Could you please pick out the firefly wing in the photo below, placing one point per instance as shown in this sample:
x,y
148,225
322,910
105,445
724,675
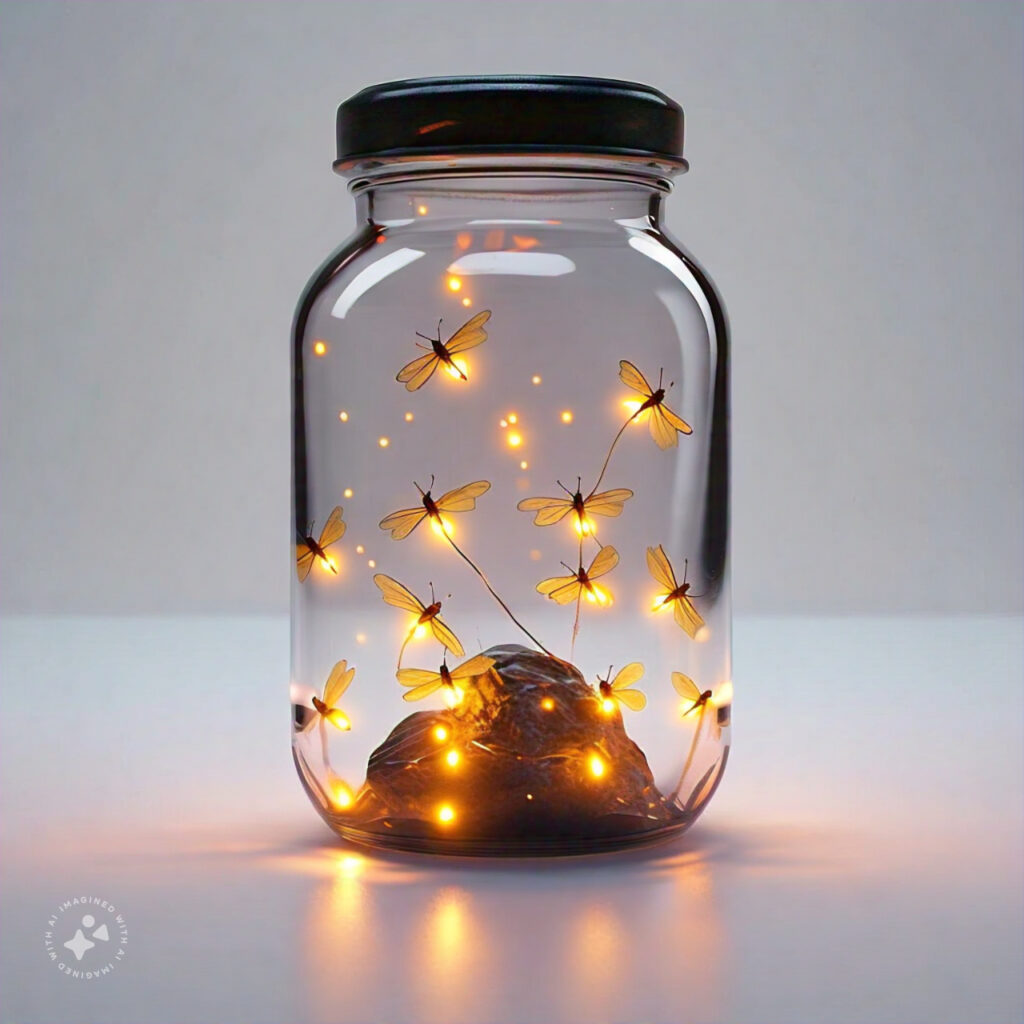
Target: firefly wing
x,y
415,374
627,676
338,682
633,699
685,686
463,499
417,677
445,636
403,522
604,561
334,528
561,589
675,421
474,667
469,335
608,503
633,378
664,435
686,616
395,594
424,690
661,568
304,556
549,510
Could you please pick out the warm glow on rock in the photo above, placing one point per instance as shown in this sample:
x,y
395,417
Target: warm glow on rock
x,y
547,704
440,733
607,705
446,814
597,766
452,758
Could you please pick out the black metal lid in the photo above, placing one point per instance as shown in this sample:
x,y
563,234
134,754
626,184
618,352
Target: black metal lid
x,y
514,114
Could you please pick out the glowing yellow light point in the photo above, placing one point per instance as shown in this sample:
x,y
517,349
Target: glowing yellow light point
x,y
535,555
503,424
515,440
419,632
597,766
442,527
452,696
547,704
513,418
339,719
459,370
467,301
348,492
454,284
343,416
440,733
524,464
360,550
529,796
567,416
536,379
319,348
632,405
360,638
341,795
409,417
350,865
383,441
702,635
372,564
452,757
328,564
446,814
422,210
607,705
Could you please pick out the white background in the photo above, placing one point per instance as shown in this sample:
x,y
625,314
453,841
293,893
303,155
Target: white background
x,y
856,194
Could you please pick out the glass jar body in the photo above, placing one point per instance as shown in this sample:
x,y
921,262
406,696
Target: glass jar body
x,y
531,676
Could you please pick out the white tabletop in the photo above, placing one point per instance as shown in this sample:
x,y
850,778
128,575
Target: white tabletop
x,y
860,862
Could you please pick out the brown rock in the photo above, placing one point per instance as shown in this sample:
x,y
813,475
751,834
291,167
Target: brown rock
x,y
537,761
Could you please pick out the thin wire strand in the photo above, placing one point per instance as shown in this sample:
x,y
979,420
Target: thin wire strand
x,y
608,457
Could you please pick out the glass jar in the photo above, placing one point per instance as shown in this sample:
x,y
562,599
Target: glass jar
x,y
510,602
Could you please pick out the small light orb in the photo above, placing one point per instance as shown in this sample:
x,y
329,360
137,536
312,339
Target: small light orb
x,y
515,440
503,423
524,464
536,379
567,416
372,564
513,418
360,638
597,766
383,441
529,796
319,348
409,417
343,416
446,814
348,492
422,209
360,550
607,705
440,733
452,757
454,284
547,704
452,696
467,302
341,795
419,632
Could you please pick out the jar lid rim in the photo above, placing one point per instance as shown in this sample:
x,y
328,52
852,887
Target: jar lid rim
x,y
518,114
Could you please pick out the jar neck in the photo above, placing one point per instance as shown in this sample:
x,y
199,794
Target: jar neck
x,y
434,201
